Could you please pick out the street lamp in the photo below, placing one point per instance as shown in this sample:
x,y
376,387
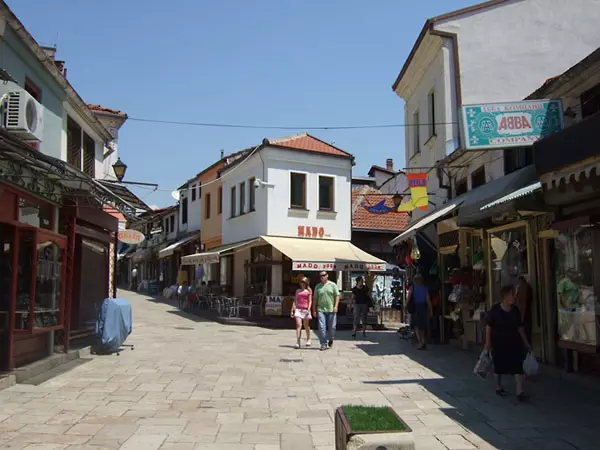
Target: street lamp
x,y
120,168
397,198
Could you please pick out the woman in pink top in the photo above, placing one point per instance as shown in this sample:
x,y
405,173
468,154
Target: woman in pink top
x,y
301,310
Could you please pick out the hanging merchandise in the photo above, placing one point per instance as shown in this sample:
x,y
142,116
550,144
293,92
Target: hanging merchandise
x,y
433,270
415,253
417,183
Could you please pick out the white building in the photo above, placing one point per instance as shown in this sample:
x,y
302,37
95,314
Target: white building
x,y
497,51
286,210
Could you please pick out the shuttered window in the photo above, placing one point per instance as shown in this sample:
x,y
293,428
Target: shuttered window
x,y
89,156
73,143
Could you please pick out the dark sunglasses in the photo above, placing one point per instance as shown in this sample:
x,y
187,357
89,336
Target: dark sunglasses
x,y
323,275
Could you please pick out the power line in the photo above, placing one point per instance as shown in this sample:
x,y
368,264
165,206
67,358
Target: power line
x,y
286,127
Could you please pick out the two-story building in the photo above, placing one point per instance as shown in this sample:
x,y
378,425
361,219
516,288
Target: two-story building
x,y
286,211
53,147
496,51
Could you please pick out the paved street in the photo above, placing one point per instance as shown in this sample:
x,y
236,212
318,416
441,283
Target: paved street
x,y
193,384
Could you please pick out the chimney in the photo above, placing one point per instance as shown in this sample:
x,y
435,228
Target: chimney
x,y
222,154
60,65
389,164
50,52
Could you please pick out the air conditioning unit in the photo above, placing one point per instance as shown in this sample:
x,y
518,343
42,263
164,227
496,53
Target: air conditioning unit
x,y
22,114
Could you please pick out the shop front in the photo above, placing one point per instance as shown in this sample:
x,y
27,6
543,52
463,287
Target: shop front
x,y
569,168
271,267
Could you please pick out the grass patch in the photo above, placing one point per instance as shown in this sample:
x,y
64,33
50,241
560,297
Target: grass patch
x,y
372,418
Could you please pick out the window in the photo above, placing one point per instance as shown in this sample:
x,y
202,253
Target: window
x,y
193,192
478,178
326,193
461,187
252,194
33,89
242,198
167,225
233,198
220,200
516,158
184,210
172,224
431,118
89,156
207,206
73,143
35,214
590,102
415,130
575,285
298,190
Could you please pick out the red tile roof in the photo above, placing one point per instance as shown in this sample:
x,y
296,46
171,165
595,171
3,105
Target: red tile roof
x,y
362,218
100,108
309,143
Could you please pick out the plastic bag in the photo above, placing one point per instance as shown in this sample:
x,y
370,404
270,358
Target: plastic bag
x,y
530,365
484,365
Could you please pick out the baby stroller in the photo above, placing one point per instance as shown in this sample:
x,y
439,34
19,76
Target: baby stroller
x,y
113,325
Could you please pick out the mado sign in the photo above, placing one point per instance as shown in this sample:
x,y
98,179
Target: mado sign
x,y
519,124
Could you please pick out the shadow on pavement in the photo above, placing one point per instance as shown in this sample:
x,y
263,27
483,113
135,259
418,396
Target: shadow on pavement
x,y
560,415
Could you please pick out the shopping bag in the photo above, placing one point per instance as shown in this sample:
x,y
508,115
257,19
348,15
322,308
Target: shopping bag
x,y
530,365
484,365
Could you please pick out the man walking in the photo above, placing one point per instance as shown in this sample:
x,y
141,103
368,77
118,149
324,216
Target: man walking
x,y
326,299
134,274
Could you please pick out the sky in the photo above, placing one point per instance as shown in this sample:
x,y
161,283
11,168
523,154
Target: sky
x,y
263,62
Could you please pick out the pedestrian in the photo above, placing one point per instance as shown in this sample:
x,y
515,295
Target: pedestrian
x,y
361,299
325,302
505,338
301,311
134,274
419,306
182,291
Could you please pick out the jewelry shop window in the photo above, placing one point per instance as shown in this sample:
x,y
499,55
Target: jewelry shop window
x,y
40,280
574,274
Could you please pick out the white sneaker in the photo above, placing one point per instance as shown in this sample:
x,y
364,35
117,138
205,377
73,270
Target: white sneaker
x,y
308,343
298,344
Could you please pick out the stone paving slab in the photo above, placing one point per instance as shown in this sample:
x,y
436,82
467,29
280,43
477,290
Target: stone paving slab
x,y
193,384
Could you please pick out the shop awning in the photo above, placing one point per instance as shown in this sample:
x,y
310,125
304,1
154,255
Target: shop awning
x,y
168,251
427,220
519,193
319,254
141,255
471,212
214,254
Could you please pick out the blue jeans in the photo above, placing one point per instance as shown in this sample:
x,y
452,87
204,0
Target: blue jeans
x,y
327,322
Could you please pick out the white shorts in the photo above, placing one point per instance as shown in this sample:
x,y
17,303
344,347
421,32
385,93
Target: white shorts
x,y
303,314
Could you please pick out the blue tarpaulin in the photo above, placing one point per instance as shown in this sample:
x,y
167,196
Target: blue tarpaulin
x,y
114,323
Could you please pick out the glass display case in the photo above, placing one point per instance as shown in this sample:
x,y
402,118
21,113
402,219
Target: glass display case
x,y
40,280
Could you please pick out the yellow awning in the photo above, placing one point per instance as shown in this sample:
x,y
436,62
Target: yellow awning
x,y
320,254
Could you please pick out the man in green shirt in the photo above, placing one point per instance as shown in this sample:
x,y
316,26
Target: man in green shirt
x,y
326,299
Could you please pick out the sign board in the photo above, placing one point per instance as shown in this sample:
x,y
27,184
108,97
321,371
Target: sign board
x,y
311,232
337,266
131,237
274,305
517,124
200,258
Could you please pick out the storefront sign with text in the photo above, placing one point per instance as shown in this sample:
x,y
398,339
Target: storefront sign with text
x,y
131,237
311,232
273,305
329,266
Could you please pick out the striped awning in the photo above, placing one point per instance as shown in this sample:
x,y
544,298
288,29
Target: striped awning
x,y
527,190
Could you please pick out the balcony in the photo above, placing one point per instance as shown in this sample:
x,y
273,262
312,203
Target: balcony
x,y
569,146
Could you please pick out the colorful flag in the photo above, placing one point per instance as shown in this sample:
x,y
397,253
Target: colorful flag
x,y
417,183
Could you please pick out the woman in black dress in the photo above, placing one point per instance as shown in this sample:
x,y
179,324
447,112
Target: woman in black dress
x,y
505,338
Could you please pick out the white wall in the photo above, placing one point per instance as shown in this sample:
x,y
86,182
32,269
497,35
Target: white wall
x,y
397,184
273,215
250,224
506,52
381,177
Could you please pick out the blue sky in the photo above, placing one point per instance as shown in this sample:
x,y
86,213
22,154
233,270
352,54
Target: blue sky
x,y
263,62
